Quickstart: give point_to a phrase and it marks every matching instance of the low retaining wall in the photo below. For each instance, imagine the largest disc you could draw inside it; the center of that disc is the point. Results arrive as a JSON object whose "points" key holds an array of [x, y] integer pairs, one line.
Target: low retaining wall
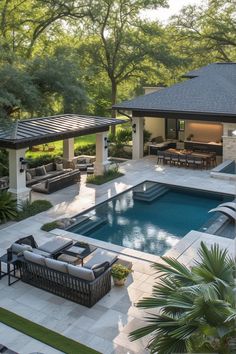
{"points": [[226, 170]]}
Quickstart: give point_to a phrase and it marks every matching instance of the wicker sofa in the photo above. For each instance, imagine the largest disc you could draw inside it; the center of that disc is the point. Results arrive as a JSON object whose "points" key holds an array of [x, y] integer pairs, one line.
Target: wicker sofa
{"points": [[44, 172], [56, 183], [75, 283]]}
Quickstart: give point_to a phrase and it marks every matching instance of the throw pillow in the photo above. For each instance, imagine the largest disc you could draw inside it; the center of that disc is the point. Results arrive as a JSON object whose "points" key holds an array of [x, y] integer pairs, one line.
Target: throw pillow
{"points": [[40, 171], [59, 166], [28, 176]]}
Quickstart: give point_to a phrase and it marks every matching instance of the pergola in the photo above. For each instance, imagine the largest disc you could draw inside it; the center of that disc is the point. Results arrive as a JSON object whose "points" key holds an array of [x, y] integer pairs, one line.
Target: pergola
{"points": [[209, 95], [22, 134]]}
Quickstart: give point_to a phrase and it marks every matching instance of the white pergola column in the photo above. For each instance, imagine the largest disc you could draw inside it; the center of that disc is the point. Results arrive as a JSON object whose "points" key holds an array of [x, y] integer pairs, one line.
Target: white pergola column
{"points": [[68, 149], [137, 137], [17, 178], [101, 163]]}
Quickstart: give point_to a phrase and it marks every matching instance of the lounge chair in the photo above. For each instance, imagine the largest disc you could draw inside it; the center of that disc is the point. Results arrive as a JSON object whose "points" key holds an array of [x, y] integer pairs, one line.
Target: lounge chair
{"points": [[48, 249], [226, 211], [231, 205], [100, 256]]}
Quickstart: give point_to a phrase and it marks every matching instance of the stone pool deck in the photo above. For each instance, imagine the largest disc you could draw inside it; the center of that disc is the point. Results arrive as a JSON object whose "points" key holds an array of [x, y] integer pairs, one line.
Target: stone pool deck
{"points": [[106, 325]]}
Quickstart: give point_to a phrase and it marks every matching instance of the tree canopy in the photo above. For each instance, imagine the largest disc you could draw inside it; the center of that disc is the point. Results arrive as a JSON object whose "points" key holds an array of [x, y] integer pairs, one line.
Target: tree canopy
{"points": [[82, 57]]}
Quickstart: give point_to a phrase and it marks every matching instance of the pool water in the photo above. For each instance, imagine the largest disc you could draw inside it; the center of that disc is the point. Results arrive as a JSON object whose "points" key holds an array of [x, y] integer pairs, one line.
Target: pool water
{"points": [[152, 227]]}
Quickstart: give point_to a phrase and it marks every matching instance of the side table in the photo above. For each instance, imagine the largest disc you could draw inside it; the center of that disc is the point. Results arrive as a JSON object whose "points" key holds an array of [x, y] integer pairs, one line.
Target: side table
{"points": [[11, 268], [79, 250]]}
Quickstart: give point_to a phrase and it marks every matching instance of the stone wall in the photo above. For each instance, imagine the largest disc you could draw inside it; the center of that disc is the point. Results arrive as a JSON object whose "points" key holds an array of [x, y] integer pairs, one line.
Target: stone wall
{"points": [[229, 142]]}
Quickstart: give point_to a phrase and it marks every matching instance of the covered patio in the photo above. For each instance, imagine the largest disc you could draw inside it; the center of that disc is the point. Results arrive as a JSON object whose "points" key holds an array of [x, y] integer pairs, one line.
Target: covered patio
{"points": [[22, 134], [198, 113]]}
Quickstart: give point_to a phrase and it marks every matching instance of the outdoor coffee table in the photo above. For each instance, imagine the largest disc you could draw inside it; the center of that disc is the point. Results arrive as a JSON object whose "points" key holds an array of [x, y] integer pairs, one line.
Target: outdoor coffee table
{"points": [[11, 273], [80, 250]]}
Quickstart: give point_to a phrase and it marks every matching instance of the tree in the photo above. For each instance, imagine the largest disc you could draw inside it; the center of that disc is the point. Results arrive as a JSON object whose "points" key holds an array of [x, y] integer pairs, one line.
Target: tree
{"points": [[22, 22], [58, 79], [117, 46], [212, 27], [197, 306], [17, 92]]}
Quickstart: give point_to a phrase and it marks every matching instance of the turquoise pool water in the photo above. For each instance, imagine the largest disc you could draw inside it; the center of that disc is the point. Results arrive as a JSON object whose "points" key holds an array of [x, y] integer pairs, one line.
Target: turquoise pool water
{"points": [[151, 227]]}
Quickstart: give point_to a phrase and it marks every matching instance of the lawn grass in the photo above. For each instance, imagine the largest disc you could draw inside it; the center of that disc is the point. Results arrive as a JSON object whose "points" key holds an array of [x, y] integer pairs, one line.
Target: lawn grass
{"points": [[79, 141], [43, 334]]}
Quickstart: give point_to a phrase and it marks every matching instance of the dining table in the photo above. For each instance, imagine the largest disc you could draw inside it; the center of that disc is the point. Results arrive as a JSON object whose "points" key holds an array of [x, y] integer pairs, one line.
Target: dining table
{"points": [[206, 157]]}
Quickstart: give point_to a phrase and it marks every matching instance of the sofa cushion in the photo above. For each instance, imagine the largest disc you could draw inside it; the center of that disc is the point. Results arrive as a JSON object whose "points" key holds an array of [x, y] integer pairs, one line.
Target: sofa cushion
{"points": [[49, 167], [16, 248], [40, 171], [98, 269], [32, 171], [100, 256], [56, 265], [55, 244], [59, 166], [42, 253], [81, 272], [34, 258]]}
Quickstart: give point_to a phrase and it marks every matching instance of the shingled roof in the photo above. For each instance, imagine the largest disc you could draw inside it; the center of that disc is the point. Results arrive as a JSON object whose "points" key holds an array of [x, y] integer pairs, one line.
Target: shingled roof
{"points": [[28, 132], [209, 93]]}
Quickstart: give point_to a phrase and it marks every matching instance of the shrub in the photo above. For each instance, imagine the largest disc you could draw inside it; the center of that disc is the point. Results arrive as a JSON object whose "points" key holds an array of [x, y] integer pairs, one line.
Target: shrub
{"points": [[3, 163], [8, 207], [106, 177], [192, 309], [89, 149], [28, 209], [49, 226], [40, 160]]}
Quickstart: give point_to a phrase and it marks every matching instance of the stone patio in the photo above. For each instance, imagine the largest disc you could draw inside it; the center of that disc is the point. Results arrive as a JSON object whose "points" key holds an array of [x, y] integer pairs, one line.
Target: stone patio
{"points": [[104, 327]]}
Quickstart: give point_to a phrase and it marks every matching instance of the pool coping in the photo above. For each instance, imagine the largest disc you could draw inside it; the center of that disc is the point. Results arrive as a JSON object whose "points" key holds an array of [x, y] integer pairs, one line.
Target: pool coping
{"points": [[176, 251], [185, 242]]}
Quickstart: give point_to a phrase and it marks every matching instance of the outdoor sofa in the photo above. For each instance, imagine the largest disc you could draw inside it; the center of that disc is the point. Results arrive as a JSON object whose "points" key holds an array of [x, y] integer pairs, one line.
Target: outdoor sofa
{"points": [[84, 285], [54, 184], [44, 172]]}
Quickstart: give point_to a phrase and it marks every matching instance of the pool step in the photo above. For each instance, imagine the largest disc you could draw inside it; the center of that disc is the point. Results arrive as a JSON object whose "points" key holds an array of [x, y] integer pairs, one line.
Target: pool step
{"points": [[89, 224], [150, 193]]}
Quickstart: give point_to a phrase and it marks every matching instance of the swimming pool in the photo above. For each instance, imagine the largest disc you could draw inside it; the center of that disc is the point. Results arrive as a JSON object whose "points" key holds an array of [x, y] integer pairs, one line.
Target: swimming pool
{"points": [[150, 217]]}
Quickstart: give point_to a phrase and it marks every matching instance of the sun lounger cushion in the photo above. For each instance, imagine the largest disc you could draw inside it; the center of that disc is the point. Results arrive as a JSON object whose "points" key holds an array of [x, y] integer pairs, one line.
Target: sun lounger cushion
{"points": [[99, 257], [81, 272], [56, 265], [55, 244], [17, 249], [34, 258]]}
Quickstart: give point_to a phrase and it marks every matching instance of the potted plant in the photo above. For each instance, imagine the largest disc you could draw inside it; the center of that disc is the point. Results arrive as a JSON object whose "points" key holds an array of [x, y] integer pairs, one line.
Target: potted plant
{"points": [[119, 274]]}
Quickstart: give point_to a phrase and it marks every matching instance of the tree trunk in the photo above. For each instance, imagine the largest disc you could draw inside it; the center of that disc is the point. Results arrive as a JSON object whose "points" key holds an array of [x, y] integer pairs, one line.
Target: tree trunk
{"points": [[113, 101]]}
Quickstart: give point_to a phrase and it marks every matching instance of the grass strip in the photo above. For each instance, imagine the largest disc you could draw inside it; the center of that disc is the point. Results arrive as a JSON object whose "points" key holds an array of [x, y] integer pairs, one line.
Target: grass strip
{"points": [[43, 334], [98, 180]]}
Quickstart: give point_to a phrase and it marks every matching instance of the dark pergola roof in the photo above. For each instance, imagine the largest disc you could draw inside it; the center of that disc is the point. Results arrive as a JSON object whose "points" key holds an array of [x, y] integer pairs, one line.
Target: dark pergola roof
{"points": [[209, 94], [28, 132]]}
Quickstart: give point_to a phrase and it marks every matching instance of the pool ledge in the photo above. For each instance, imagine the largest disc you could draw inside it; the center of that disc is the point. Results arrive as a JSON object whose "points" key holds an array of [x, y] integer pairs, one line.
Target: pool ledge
{"points": [[186, 242]]}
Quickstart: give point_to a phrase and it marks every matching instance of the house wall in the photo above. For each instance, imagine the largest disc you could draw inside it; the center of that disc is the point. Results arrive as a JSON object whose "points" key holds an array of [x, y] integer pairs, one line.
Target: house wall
{"points": [[156, 126], [203, 131]]}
